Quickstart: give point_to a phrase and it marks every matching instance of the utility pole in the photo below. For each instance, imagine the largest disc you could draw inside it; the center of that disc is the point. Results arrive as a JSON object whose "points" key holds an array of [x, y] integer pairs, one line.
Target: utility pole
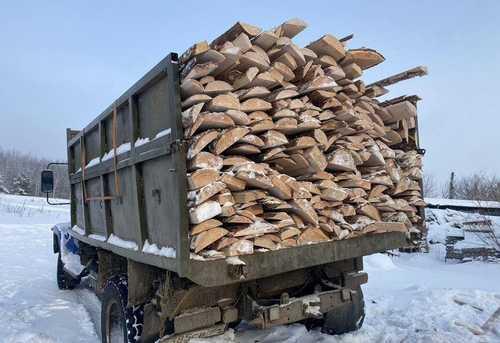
{"points": [[451, 188]]}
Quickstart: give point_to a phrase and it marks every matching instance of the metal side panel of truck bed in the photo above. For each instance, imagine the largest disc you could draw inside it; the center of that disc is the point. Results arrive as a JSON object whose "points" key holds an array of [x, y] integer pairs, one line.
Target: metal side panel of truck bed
{"points": [[128, 191]]}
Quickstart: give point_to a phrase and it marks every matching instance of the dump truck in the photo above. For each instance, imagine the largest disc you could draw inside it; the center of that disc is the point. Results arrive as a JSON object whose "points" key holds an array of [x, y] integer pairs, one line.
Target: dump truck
{"points": [[129, 234]]}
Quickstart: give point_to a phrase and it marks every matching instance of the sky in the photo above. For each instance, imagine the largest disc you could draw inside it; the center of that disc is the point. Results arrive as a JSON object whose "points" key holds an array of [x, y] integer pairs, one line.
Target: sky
{"points": [[63, 62]]}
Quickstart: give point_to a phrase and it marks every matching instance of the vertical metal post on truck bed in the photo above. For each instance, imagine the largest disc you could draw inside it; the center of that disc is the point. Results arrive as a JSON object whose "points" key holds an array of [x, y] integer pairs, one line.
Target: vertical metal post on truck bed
{"points": [[178, 145]]}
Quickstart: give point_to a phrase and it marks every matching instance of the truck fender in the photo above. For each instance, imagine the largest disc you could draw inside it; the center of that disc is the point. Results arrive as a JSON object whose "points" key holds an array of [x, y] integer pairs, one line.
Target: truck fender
{"points": [[56, 237]]}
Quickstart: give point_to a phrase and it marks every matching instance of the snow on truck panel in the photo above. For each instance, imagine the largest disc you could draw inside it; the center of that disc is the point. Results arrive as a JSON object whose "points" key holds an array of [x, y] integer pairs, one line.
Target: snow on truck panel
{"points": [[124, 148], [122, 243], [119, 242], [163, 251]]}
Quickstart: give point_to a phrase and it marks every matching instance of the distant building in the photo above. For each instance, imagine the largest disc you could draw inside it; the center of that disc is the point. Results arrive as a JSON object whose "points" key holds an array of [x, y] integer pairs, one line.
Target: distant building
{"points": [[490, 208]]}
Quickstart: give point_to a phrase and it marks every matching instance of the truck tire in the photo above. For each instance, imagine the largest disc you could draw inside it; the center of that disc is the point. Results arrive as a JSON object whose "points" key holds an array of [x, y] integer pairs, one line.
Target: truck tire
{"points": [[120, 323], [64, 280], [349, 317]]}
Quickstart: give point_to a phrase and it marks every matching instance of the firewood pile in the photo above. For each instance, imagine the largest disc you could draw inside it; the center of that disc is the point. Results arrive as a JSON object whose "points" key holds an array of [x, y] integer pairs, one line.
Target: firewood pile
{"points": [[288, 146]]}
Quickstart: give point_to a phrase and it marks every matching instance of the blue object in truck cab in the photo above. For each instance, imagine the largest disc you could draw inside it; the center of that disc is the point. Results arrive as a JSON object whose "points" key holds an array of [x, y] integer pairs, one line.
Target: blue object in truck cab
{"points": [[71, 244], [65, 239]]}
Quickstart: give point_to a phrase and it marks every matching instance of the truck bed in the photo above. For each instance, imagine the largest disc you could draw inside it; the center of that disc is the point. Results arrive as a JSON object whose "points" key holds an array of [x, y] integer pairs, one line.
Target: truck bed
{"points": [[132, 201]]}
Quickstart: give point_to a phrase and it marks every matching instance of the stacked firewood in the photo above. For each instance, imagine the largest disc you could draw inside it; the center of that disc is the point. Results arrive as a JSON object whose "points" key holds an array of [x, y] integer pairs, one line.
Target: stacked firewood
{"points": [[288, 146]]}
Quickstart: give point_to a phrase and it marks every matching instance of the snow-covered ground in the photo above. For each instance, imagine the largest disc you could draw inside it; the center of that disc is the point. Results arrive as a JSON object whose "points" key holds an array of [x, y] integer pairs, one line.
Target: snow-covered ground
{"points": [[32, 308], [410, 298]]}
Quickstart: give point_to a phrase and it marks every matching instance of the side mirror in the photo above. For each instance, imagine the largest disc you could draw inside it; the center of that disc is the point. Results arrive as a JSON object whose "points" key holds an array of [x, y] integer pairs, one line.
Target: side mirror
{"points": [[47, 181]]}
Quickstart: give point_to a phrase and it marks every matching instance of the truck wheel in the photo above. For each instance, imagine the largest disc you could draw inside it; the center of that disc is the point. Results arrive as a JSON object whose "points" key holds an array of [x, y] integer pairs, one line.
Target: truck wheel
{"points": [[349, 317], [119, 322], [64, 280]]}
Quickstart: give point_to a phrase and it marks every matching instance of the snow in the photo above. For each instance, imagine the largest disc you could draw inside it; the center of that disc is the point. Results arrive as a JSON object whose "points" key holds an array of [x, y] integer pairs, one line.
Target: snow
{"points": [[163, 133], [312, 306], [207, 210], [409, 298], [97, 237], [462, 203], [153, 249], [446, 222], [235, 261], [122, 243], [33, 309], [15, 209], [78, 230], [141, 141], [93, 162], [71, 262], [120, 150]]}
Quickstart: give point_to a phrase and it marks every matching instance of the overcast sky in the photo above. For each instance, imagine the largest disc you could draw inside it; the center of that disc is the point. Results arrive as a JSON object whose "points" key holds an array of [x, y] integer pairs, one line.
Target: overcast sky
{"points": [[62, 63]]}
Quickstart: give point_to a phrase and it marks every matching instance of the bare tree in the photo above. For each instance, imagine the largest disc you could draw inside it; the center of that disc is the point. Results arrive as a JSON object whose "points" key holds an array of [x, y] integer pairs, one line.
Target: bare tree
{"points": [[479, 186], [430, 186], [3, 186], [17, 168], [486, 232]]}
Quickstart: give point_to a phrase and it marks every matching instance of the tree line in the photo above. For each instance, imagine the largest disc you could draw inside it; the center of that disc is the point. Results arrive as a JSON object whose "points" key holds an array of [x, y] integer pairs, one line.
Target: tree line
{"points": [[20, 174], [477, 186]]}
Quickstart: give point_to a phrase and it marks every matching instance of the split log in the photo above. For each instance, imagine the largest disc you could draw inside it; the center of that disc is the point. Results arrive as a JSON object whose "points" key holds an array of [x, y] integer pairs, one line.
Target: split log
{"points": [[200, 142], [198, 71], [229, 138], [266, 40], [290, 28], [202, 177], [248, 196], [211, 120], [366, 58], [204, 226], [401, 110], [246, 78], [255, 104], [223, 103], [370, 211], [253, 59], [341, 160], [241, 247], [206, 192], [239, 118], [254, 92], [195, 99], [237, 29], [312, 235], [328, 45], [408, 74], [205, 211], [256, 229], [304, 210], [208, 237], [191, 87], [217, 87], [193, 51]]}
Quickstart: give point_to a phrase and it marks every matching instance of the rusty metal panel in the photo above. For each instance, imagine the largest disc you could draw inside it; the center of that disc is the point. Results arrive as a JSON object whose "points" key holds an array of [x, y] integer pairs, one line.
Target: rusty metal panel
{"points": [[124, 209], [162, 208], [153, 110], [96, 208], [76, 191], [92, 144], [75, 151], [134, 195]]}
